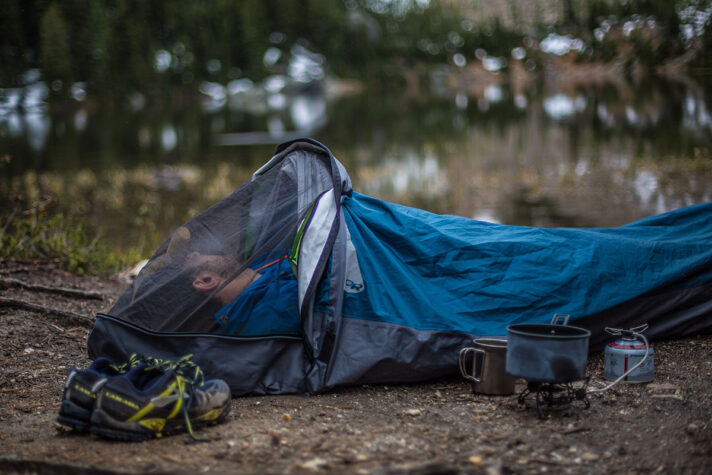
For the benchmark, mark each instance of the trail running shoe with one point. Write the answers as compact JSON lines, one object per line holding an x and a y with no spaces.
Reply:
{"x":155,"y":401}
{"x":81,"y":387}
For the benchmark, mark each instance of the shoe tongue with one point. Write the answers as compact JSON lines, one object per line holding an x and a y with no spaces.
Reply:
{"x":100,"y":364}
{"x":144,"y":378}
{"x":157,"y":380}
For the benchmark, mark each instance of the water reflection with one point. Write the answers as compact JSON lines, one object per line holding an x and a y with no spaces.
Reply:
{"x":561,"y":106}
{"x":600,"y":154}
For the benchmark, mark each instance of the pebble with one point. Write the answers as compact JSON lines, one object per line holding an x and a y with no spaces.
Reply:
{"x":312,"y":465}
{"x":494,"y":470}
{"x":488,"y":450}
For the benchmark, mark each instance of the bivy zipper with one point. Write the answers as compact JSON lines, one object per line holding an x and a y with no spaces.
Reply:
{"x":194,"y":335}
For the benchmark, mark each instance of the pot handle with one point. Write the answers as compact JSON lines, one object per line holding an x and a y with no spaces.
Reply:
{"x":478,"y":353}
{"x":557,"y":316}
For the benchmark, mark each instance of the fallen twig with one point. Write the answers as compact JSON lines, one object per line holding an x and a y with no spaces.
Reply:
{"x":7,"y":283}
{"x":14,"y":269}
{"x":18,"y":465}
{"x":668,"y":396}
{"x":576,"y":429}
{"x":21,"y":304}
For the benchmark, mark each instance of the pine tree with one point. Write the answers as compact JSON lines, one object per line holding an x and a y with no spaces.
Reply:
{"x":55,"y":56}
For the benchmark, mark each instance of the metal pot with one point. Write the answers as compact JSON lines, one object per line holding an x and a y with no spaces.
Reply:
{"x":547,"y":353}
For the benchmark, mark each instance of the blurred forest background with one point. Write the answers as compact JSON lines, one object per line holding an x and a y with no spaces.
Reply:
{"x":131,"y":116}
{"x":118,"y":47}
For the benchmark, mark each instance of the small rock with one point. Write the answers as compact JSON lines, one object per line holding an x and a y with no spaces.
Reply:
{"x":286,"y":416}
{"x":589,"y":457}
{"x":476,"y":460}
{"x":692,"y":428}
{"x":413,"y":412}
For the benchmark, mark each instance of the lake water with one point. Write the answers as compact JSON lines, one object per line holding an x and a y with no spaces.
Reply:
{"x":601,"y":156}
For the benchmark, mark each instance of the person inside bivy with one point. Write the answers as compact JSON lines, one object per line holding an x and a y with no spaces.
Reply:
{"x":260,"y":300}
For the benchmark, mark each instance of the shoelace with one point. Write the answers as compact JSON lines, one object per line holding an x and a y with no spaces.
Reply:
{"x":184,"y":366}
{"x":188,"y":374}
{"x":182,"y":382}
{"x":134,"y":360}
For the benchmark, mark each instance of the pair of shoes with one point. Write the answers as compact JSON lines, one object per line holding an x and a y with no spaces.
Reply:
{"x":155,"y":398}
{"x":82,"y":385}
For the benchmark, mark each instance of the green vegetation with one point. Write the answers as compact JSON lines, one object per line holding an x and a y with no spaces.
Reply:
{"x":37,"y":235}
{"x":116,"y":47}
{"x":101,"y":222}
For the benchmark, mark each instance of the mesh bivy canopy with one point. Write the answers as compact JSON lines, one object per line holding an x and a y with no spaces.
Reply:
{"x":296,"y":283}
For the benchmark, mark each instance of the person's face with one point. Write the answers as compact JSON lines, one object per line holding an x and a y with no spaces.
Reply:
{"x":211,"y":271}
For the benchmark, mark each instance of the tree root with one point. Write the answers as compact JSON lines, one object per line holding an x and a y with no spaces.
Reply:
{"x":87,"y":294}
{"x":22,"y":305}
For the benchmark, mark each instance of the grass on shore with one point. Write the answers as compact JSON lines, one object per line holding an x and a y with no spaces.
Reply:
{"x":37,"y":236}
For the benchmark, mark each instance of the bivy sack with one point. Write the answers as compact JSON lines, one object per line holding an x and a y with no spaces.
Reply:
{"x":295,"y":283}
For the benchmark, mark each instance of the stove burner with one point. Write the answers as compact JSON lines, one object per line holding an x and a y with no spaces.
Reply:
{"x":553,"y":394}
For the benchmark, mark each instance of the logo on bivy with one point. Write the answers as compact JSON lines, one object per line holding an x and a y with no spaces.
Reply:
{"x":354,"y":280}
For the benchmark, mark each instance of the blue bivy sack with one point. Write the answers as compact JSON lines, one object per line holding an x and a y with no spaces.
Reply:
{"x":358,"y":290}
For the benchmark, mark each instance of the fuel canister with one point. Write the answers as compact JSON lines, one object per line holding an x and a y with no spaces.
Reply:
{"x":623,"y":354}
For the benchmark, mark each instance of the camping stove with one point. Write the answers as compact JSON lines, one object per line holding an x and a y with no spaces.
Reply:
{"x":548,"y":395}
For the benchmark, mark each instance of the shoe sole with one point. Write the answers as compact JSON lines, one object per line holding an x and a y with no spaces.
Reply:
{"x":102,"y":424}
{"x":73,"y":416}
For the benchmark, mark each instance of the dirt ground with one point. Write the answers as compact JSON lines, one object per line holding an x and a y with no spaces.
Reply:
{"x":436,"y":427}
